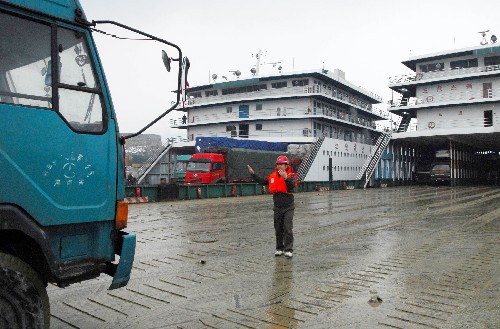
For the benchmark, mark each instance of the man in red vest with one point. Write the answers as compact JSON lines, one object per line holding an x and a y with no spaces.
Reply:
{"x":281,"y":184}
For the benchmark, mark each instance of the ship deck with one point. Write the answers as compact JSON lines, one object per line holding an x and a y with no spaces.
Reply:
{"x":402,"y":257}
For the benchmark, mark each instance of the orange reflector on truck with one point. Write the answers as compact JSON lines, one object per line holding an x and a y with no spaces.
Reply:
{"x":121,"y":215}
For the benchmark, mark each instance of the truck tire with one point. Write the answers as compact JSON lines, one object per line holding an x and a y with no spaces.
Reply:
{"x":24,"y":302}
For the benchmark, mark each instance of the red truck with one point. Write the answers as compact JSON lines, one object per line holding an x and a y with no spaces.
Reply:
{"x":228,"y":165}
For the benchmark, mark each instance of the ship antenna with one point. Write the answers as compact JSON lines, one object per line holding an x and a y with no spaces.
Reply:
{"x":255,"y":70}
{"x":484,"y":41}
{"x":258,"y":56}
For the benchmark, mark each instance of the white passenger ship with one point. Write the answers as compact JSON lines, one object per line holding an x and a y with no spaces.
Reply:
{"x":451,"y":102}
{"x":313,"y":107}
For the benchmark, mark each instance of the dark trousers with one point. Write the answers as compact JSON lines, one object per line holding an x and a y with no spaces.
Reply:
{"x":283,"y":227}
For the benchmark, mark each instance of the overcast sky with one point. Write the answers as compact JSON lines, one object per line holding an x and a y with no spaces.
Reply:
{"x":365,"y":39}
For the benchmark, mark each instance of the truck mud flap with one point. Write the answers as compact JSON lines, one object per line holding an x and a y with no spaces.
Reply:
{"x":122,"y":271}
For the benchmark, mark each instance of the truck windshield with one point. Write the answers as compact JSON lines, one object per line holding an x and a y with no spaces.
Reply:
{"x":198,"y":166}
{"x":26,"y":72}
{"x":180,"y":166}
{"x":29,"y":52}
{"x":441,"y":167}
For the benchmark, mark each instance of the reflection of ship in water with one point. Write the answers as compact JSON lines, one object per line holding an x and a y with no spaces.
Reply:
{"x":279,"y":314}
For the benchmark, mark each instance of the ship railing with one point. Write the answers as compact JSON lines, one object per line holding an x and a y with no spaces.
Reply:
{"x":308,"y":133}
{"x":377,"y":97}
{"x":371,"y":162}
{"x":454,"y":124}
{"x":406,"y":78}
{"x":328,"y":91}
{"x":440,"y":96}
{"x":279,"y":113}
{"x":337,"y":94}
{"x":142,"y":171}
{"x":309,"y":158}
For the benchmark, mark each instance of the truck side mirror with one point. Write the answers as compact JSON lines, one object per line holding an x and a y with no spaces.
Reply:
{"x":187,"y":65}
{"x":166,"y":60}
{"x":184,"y":83}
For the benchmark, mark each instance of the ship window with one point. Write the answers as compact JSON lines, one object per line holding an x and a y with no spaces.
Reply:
{"x":258,"y":126}
{"x":432,"y":67}
{"x":229,"y":109}
{"x":301,"y":82}
{"x":463,"y":64}
{"x":230,"y":128}
{"x":488,"y":118}
{"x":195,"y":95}
{"x":281,"y":84}
{"x":245,"y":89}
{"x":487,"y":90}
{"x":243,"y":130}
{"x":243,"y":111}
{"x":211,"y":93}
{"x":258,"y":107}
{"x":493,"y":60}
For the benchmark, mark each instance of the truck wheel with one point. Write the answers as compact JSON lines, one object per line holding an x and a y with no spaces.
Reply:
{"x":24,"y":302}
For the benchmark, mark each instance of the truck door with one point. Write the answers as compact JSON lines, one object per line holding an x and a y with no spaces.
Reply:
{"x":58,"y":144}
{"x":218,"y":172}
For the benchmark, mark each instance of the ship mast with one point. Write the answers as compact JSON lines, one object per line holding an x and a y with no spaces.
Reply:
{"x":257,"y":64}
{"x":258,"y":57}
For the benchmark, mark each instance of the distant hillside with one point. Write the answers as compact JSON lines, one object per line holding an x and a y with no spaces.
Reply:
{"x":139,"y":149}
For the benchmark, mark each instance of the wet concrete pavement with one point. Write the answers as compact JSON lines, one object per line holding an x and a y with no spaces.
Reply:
{"x":405,"y":257}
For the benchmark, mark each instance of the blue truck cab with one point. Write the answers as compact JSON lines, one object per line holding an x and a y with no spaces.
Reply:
{"x":62,"y":184}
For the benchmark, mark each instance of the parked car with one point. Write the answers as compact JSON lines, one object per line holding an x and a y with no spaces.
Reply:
{"x":440,"y":173}
{"x":422,"y":177}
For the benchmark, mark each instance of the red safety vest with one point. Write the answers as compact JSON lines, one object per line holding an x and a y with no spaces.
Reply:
{"x":277,"y":183}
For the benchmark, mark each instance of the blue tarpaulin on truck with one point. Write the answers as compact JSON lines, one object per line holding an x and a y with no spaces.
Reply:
{"x":203,"y":143}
